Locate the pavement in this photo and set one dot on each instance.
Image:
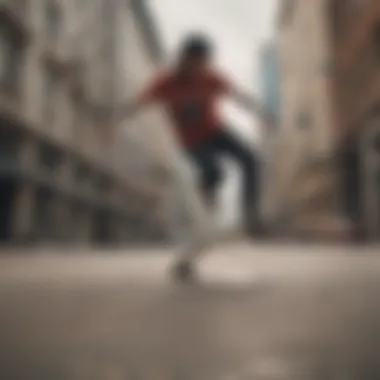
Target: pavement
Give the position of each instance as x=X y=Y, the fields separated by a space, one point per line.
x=270 y=311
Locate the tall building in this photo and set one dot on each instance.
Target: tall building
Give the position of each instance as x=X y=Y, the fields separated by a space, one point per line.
x=270 y=78
x=355 y=30
x=270 y=82
x=305 y=159
x=65 y=66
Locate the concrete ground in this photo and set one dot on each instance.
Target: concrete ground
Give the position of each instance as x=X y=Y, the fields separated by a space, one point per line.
x=257 y=312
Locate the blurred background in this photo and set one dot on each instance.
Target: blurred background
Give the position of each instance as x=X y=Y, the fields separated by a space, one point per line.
x=67 y=67
x=87 y=229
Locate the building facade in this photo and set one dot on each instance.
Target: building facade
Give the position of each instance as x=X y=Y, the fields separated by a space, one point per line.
x=306 y=175
x=355 y=30
x=63 y=73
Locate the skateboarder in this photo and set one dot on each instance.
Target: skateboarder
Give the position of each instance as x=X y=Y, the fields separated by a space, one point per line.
x=189 y=92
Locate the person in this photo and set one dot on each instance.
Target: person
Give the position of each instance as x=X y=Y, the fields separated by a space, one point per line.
x=190 y=92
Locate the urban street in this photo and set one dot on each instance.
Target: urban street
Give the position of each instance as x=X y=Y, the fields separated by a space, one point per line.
x=270 y=311
x=123 y=123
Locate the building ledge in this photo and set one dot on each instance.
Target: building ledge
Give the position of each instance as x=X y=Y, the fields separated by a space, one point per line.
x=12 y=113
x=141 y=199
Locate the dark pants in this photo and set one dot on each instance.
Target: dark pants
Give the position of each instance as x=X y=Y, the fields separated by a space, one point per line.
x=206 y=157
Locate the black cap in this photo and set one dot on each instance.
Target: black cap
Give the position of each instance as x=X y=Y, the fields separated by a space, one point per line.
x=196 y=45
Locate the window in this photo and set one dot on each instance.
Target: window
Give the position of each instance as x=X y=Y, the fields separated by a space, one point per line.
x=51 y=84
x=4 y=56
x=80 y=119
x=50 y=159
x=10 y=61
x=376 y=144
x=82 y=173
x=10 y=145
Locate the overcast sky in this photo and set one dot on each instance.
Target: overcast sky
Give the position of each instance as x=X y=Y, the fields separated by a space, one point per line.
x=239 y=28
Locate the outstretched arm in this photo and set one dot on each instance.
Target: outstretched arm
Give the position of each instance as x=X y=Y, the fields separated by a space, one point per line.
x=251 y=104
x=131 y=109
x=246 y=101
x=152 y=94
